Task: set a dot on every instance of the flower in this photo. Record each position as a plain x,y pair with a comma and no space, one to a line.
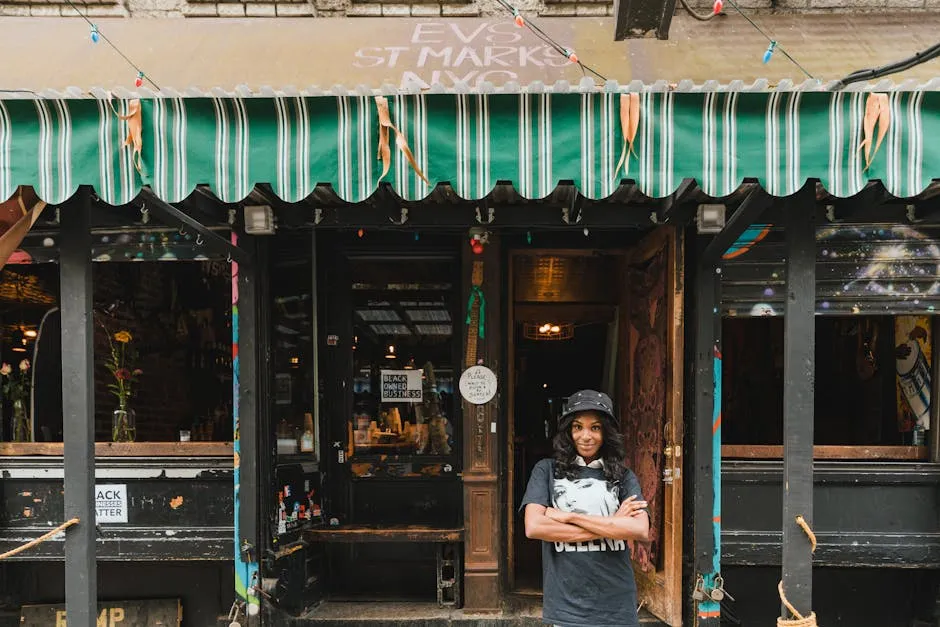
24,365
6,369
122,374
123,337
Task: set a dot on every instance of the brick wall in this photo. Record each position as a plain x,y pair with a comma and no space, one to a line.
400,8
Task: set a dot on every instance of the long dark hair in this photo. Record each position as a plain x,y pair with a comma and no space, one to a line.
612,450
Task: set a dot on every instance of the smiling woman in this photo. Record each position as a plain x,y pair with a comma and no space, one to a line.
585,505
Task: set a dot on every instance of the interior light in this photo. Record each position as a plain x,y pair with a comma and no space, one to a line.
295,361
391,352
555,328
18,349
545,328
30,333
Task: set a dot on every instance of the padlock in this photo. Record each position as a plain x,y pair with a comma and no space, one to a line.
717,594
698,594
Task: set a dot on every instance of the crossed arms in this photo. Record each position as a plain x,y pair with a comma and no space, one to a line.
630,522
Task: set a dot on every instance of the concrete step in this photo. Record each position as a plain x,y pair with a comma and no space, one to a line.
403,614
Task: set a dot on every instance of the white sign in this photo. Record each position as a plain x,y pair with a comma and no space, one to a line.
449,53
111,503
401,386
478,385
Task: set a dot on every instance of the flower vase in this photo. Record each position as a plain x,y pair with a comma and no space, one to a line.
124,425
21,426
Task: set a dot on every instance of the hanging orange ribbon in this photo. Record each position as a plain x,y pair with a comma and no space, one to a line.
13,236
385,152
135,125
877,114
629,123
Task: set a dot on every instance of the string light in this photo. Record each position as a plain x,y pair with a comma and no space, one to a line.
139,80
545,37
770,51
773,43
360,233
97,35
719,5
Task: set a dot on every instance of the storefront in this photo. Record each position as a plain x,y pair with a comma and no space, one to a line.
533,234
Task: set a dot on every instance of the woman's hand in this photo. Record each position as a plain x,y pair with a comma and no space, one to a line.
558,515
631,507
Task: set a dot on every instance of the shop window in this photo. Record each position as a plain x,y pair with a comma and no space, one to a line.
404,359
162,351
872,386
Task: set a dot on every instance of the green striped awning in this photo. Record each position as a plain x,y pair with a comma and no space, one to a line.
471,141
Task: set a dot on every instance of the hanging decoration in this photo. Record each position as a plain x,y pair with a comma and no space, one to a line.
877,114
135,123
478,238
385,152
476,295
629,123
769,53
95,35
139,81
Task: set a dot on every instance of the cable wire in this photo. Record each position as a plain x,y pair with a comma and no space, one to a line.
770,39
111,43
892,68
701,17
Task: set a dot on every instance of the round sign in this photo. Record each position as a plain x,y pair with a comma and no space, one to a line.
478,385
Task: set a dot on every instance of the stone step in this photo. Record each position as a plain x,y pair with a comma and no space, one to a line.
403,614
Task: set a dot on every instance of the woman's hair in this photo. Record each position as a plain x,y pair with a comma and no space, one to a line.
612,449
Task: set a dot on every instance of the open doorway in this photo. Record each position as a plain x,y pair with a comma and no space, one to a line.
564,321
547,372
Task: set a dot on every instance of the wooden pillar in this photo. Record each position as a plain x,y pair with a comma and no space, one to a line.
707,339
480,478
78,410
799,338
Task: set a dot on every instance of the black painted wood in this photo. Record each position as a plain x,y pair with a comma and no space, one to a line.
880,514
707,337
78,405
249,378
798,399
745,215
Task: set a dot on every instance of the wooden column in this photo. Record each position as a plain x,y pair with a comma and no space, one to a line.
78,410
481,487
799,338
707,339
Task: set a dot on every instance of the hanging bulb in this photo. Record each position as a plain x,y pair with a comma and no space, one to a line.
770,51
139,81
528,237
571,55
95,35
718,6
520,21
360,233
586,232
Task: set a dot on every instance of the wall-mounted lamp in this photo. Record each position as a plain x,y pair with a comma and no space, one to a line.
259,220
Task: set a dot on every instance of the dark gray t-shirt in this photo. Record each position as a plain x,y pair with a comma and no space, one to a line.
585,584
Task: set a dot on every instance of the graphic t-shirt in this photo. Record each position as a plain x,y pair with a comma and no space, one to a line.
585,584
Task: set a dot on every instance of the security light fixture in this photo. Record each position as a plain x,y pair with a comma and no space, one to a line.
643,19
710,218
259,220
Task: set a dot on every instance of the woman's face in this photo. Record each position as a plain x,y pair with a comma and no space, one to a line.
588,435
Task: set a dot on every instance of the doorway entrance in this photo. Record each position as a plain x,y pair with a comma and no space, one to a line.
609,320
548,372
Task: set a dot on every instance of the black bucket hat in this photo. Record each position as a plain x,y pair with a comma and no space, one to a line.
590,400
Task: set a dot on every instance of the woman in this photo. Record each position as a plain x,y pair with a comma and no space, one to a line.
585,505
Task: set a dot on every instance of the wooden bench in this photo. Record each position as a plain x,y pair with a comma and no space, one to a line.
447,539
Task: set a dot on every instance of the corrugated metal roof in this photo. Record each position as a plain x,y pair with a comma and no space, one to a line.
242,57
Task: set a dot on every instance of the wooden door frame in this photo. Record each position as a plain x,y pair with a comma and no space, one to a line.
674,418
511,384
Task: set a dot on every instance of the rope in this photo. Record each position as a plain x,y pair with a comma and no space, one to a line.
40,539
800,620
809,532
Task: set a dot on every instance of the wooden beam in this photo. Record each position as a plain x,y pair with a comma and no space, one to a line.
213,241
121,449
707,340
771,451
756,201
799,365
78,410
